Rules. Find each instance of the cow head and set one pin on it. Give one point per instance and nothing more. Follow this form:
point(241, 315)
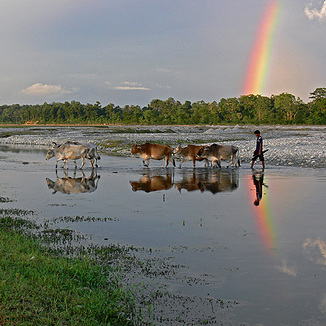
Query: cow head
point(50, 154)
point(135, 149)
point(177, 150)
point(201, 151)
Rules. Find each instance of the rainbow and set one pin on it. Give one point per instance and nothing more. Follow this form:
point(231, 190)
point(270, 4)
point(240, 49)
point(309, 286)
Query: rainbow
point(259, 58)
point(263, 219)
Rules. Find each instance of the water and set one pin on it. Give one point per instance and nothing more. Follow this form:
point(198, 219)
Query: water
point(266, 262)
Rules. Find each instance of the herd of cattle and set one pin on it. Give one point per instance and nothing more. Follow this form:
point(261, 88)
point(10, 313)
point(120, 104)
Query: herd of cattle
point(213, 153)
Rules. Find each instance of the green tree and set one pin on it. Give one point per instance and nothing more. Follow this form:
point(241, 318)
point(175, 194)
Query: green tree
point(286, 108)
point(317, 107)
point(318, 93)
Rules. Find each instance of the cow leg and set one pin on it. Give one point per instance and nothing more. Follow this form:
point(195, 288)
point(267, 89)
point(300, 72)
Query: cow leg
point(167, 157)
point(91, 161)
point(144, 162)
point(218, 161)
point(83, 177)
point(145, 158)
point(83, 162)
point(172, 160)
point(232, 160)
point(182, 160)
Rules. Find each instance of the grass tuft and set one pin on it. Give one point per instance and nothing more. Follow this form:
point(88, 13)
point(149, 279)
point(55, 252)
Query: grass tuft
point(38, 287)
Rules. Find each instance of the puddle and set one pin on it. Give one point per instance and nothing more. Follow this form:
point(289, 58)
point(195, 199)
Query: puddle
point(254, 243)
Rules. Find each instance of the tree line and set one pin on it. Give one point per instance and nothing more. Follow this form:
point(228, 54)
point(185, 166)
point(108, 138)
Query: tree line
point(247, 109)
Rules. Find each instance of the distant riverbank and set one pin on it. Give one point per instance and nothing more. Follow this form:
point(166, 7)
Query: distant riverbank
point(303, 146)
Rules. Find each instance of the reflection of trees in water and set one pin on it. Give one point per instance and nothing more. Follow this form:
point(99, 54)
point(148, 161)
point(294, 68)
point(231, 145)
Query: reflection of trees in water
point(213, 181)
point(73, 185)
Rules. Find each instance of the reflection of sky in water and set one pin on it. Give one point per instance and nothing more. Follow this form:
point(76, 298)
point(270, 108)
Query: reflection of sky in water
point(206, 221)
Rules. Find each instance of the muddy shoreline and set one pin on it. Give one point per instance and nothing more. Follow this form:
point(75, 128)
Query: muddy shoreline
point(300, 146)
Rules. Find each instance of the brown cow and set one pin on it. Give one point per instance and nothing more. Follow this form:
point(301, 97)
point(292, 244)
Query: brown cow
point(189, 153)
point(215, 153)
point(149, 151)
point(155, 183)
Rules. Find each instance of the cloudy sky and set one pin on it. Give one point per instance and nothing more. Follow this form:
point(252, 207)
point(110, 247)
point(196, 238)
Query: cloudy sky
point(133, 51)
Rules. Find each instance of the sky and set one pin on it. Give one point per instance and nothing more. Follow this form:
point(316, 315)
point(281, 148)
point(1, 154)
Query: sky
point(130, 52)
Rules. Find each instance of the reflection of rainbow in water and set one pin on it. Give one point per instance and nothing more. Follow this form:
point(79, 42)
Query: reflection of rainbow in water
point(263, 217)
point(259, 59)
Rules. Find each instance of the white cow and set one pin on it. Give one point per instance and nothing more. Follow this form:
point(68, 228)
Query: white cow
point(69, 151)
point(92, 154)
point(215, 153)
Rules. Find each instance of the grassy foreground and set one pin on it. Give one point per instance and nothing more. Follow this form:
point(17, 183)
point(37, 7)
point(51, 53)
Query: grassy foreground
point(38, 287)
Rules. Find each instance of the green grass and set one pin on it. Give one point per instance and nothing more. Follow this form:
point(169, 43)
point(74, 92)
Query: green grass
point(38, 287)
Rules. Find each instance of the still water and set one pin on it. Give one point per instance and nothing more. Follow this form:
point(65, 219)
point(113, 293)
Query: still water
point(254, 239)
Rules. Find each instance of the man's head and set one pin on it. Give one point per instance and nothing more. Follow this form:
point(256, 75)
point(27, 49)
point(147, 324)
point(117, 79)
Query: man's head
point(257, 132)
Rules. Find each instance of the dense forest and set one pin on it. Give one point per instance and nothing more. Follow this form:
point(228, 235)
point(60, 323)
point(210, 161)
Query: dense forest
point(247, 109)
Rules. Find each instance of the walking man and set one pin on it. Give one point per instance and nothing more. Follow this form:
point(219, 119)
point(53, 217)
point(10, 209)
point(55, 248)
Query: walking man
point(259, 150)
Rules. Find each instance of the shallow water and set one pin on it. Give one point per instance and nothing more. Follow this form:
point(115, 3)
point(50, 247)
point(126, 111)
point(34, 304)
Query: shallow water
point(266, 262)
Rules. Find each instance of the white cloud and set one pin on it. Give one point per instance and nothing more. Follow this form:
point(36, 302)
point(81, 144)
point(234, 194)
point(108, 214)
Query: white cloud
point(287, 269)
point(128, 86)
point(39, 89)
point(131, 88)
point(315, 13)
point(316, 250)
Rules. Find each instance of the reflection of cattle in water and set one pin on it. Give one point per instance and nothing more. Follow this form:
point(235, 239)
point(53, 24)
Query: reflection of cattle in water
point(215, 153)
point(149, 151)
point(155, 183)
point(73, 185)
point(188, 182)
point(213, 181)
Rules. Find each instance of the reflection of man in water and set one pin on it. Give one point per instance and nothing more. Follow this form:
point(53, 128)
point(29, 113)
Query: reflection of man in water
point(258, 179)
